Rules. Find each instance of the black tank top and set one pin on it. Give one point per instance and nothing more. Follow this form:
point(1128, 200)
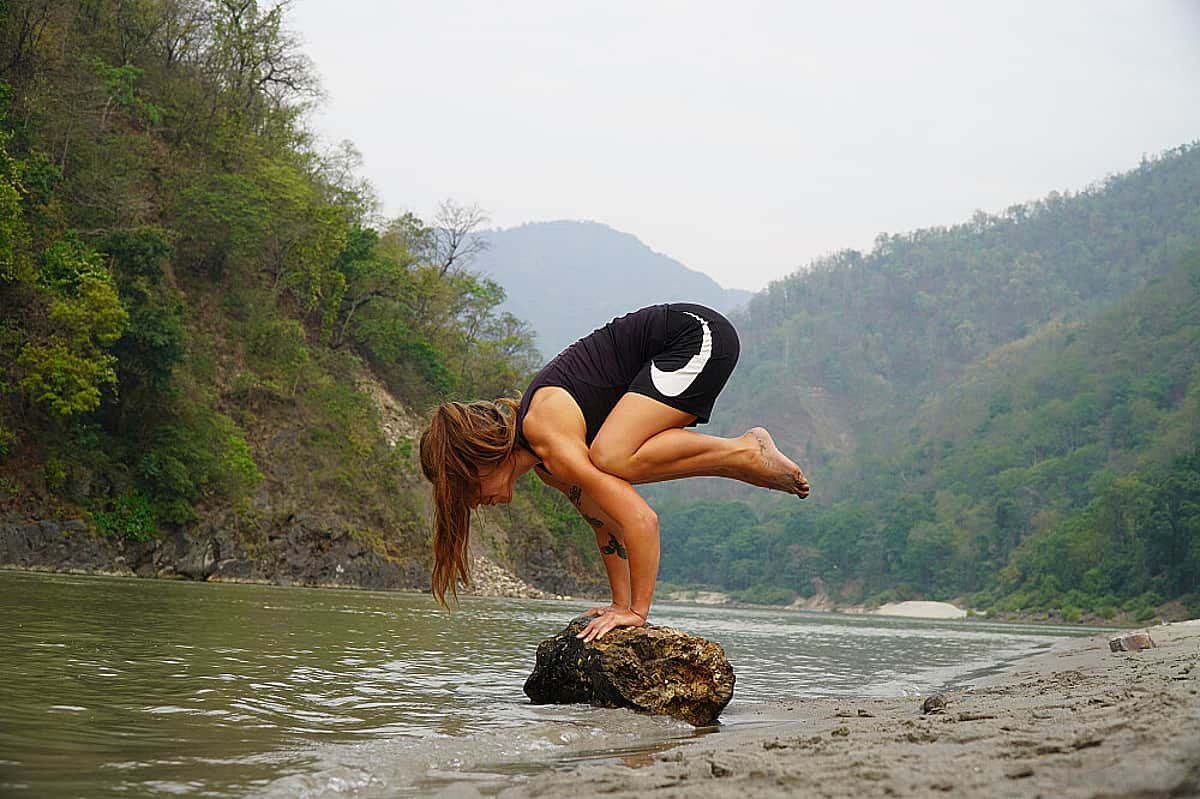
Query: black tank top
point(598, 369)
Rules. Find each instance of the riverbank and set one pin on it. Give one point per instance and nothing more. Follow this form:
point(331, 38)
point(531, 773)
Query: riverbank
point(1076, 721)
point(304, 551)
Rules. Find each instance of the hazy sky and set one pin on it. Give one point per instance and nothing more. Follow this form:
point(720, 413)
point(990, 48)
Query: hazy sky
point(747, 138)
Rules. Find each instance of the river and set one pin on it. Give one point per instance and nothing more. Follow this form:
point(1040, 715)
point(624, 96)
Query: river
point(126, 687)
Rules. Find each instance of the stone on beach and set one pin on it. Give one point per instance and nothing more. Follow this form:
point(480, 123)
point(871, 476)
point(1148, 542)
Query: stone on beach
point(1133, 642)
point(934, 704)
point(651, 669)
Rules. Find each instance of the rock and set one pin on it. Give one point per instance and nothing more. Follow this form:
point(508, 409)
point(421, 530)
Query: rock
point(199, 561)
point(305, 550)
point(234, 569)
point(935, 704)
point(1133, 642)
point(651, 669)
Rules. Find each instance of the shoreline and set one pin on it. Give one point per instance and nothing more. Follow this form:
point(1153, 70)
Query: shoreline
point(495, 581)
point(1075, 721)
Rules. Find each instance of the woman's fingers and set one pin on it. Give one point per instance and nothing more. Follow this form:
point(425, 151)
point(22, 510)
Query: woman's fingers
point(612, 617)
point(598, 627)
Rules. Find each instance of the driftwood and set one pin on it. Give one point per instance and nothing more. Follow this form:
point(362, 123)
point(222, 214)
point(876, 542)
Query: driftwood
point(651, 669)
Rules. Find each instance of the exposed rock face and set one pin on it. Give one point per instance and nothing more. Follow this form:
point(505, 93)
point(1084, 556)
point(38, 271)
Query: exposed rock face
point(652, 669)
point(302, 550)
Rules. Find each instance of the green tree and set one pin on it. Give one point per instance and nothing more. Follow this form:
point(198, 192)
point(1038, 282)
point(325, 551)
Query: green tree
point(66, 360)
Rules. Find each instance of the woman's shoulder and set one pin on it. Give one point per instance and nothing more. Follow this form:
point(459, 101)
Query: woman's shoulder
point(552, 421)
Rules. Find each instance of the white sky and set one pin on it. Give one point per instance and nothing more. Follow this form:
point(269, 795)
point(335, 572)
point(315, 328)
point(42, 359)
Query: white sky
point(747, 138)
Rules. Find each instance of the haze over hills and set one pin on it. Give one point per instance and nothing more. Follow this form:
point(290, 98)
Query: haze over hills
point(568, 277)
point(1006, 410)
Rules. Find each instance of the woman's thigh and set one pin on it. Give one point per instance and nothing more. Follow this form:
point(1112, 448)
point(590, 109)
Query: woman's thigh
point(634, 421)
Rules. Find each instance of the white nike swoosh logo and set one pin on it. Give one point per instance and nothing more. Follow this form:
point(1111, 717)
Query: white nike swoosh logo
point(672, 384)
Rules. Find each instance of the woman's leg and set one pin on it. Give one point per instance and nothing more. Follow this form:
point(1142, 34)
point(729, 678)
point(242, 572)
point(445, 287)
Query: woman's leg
point(643, 441)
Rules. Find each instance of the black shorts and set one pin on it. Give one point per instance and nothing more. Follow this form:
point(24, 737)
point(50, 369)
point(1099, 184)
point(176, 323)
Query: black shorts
point(701, 348)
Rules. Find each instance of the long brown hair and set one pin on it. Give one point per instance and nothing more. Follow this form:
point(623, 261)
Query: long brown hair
point(462, 438)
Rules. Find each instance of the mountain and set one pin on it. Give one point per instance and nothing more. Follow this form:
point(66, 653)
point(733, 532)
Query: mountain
point(1006, 411)
point(848, 349)
point(567, 278)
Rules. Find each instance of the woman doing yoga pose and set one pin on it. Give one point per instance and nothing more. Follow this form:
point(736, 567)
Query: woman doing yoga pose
point(608, 412)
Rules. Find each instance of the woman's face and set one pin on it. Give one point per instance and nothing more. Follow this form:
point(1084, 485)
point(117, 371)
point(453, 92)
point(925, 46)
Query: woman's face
point(495, 485)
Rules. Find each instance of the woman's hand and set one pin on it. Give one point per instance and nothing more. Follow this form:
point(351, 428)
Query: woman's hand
point(608, 618)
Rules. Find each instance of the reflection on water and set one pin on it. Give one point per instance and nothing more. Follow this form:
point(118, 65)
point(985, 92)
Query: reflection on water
point(136, 687)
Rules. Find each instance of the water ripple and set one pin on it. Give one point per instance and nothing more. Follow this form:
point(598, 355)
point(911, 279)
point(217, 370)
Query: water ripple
point(127, 687)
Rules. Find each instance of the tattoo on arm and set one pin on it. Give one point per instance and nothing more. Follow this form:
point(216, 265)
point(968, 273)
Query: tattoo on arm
point(576, 495)
point(614, 546)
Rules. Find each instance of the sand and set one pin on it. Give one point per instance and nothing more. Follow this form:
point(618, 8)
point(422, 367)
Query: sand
point(1076, 721)
point(915, 609)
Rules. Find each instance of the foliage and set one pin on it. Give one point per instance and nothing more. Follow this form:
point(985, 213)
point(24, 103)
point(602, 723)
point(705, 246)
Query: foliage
point(131, 516)
point(192, 292)
point(8, 441)
point(1016, 388)
point(65, 361)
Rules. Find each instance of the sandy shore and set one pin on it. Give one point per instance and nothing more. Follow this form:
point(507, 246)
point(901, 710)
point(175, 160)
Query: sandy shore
point(1077, 721)
point(915, 609)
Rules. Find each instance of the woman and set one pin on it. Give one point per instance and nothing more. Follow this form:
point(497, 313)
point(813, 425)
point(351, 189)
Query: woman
point(606, 413)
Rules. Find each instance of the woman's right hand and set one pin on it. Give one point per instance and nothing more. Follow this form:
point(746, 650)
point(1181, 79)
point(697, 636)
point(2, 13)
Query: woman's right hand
point(610, 618)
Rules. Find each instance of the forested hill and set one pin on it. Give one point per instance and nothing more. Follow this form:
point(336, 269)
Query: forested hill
point(882, 331)
point(566, 278)
point(204, 321)
point(1005, 410)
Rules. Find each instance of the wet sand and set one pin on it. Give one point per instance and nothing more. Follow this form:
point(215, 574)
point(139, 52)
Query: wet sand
point(1076, 721)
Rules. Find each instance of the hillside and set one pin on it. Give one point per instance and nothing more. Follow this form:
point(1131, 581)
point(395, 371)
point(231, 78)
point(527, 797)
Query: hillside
point(968, 401)
point(880, 332)
point(215, 357)
point(567, 278)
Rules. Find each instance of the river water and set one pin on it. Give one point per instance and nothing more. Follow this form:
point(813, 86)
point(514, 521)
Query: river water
point(125, 687)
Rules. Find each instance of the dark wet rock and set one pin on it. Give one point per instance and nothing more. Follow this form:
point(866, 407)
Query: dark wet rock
point(651, 669)
point(935, 704)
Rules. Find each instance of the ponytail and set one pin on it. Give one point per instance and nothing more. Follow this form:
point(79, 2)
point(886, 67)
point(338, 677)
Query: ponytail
point(462, 439)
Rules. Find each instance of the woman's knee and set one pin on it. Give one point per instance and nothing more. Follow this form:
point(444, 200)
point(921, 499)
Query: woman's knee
point(615, 460)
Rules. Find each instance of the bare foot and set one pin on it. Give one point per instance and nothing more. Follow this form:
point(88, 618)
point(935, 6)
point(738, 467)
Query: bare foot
point(775, 470)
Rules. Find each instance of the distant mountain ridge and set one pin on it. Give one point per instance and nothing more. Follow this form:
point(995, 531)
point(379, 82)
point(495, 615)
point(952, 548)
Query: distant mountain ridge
point(567, 278)
point(1005, 412)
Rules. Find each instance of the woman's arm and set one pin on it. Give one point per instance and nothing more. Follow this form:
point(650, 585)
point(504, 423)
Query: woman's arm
point(610, 539)
point(556, 430)
point(639, 523)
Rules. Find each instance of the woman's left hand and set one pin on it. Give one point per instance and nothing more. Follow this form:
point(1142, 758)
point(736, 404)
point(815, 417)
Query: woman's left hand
point(608, 618)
